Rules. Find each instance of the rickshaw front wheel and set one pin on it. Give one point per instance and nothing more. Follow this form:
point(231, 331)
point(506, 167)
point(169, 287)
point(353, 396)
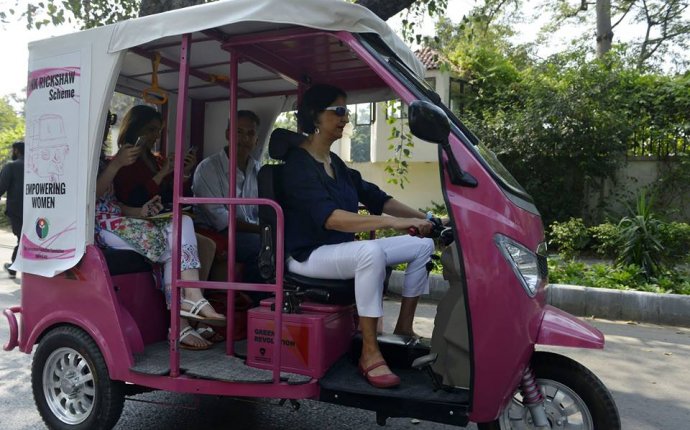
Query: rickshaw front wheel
point(573, 398)
point(70, 382)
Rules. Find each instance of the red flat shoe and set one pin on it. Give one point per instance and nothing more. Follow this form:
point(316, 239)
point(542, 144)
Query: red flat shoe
point(388, 380)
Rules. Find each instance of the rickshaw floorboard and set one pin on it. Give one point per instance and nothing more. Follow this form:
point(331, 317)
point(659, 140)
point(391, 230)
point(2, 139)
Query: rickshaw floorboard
point(211, 364)
point(344, 376)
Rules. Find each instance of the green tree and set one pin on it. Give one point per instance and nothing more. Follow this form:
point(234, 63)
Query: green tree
point(665, 24)
point(11, 128)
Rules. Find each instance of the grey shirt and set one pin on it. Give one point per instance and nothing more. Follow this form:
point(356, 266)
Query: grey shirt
point(211, 180)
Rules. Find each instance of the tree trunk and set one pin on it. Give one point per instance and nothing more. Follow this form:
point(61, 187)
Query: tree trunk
point(384, 9)
point(604, 30)
point(150, 7)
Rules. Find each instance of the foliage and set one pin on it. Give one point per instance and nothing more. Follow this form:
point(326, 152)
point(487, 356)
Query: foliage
point(401, 145)
point(11, 128)
point(672, 188)
point(630, 277)
point(569, 237)
point(562, 125)
point(4, 220)
point(663, 25)
point(286, 120)
point(80, 13)
point(640, 239)
point(604, 239)
point(675, 236)
point(360, 144)
point(660, 105)
point(438, 209)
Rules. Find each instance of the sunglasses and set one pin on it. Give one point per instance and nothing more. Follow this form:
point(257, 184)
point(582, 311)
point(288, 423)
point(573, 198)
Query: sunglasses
point(339, 110)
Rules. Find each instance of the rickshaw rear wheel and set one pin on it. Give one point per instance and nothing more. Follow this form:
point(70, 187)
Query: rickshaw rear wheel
point(70, 383)
point(573, 395)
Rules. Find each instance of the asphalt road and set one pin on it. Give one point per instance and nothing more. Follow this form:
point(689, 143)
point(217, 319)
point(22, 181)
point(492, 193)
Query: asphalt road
point(646, 367)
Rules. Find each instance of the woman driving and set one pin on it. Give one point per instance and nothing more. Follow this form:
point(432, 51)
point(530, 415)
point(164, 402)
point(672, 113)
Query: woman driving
point(320, 203)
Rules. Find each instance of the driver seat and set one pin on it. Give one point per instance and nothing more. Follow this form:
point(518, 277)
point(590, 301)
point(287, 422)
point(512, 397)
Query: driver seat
point(327, 291)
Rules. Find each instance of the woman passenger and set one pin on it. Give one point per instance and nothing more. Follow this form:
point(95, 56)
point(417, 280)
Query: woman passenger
point(149, 175)
point(122, 226)
point(321, 196)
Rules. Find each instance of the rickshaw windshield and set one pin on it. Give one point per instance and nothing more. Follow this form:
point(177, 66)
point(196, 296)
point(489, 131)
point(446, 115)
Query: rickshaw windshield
point(483, 153)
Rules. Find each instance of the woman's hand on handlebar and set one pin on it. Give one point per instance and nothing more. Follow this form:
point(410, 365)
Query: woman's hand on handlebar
point(152, 207)
point(126, 155)
point(414, 226)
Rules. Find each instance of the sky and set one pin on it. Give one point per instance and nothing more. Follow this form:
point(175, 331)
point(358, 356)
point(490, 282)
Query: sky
point(15, 38)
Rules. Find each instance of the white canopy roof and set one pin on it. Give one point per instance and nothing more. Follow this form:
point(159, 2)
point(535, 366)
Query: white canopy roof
point(249, 16)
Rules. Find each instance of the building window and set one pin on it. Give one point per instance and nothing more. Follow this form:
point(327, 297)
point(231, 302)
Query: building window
point(458, 88)
point(360, 142)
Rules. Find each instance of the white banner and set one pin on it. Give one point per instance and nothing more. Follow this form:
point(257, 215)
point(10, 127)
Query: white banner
point(55, 110)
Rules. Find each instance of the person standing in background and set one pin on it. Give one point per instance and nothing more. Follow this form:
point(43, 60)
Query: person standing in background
point(12, 183)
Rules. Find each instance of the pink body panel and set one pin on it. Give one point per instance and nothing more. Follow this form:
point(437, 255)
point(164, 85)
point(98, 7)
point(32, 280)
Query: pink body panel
point(84, 297)
point(311, 341)
point(504, 319)
point(559, 328)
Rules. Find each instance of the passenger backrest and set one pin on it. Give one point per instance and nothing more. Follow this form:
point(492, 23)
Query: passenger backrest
point(269, 179)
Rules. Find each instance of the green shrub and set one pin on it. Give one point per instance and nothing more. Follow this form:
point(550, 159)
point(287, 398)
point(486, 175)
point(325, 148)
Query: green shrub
point(570, 237)
point(630, 277)
point(640, 239)
point(438, 209)
point(675, 237)
point(604, 239)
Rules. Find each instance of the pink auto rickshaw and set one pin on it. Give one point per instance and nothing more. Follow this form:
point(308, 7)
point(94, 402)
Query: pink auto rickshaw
point(98, 327)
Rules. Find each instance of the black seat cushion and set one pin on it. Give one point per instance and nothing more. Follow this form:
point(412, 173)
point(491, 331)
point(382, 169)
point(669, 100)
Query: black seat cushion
point(331, 291)
point(121, 262)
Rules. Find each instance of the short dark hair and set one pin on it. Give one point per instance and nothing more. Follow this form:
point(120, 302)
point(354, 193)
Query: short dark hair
point(314, 101)
point(245, 114)
point(19, 146)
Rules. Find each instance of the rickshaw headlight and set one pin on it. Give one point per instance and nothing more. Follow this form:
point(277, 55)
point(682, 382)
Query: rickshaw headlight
point(524, 262)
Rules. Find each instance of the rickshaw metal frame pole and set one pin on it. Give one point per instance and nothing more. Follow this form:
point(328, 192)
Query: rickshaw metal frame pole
point(232, 210)
point(185, 52)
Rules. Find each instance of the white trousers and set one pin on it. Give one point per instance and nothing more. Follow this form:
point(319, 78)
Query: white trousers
point(190, 256)
point(366, 261)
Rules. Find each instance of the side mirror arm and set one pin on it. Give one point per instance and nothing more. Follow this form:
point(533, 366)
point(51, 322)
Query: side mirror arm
point(456, 174)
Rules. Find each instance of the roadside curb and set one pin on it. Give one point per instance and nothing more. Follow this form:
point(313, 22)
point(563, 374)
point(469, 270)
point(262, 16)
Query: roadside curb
point(653, 308)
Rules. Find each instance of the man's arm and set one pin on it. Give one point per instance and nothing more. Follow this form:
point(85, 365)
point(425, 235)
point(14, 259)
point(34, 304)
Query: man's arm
point(5, 179)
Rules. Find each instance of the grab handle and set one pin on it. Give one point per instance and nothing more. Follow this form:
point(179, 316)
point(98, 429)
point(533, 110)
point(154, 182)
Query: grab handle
point(14, 327)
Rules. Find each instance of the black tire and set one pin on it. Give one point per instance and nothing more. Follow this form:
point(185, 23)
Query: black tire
point(597, 399)
point(83, 397)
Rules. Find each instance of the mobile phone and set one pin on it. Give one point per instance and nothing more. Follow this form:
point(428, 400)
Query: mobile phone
point(139, 142)
point(192, 150)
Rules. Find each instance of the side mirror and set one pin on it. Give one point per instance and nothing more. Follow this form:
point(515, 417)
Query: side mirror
point(428, 122)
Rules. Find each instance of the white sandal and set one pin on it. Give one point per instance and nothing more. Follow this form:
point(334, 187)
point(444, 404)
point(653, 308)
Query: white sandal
point(189, 331)
point(193, 313)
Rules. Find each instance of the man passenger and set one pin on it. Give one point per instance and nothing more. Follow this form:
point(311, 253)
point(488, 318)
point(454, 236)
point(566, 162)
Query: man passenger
point(211, 180)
